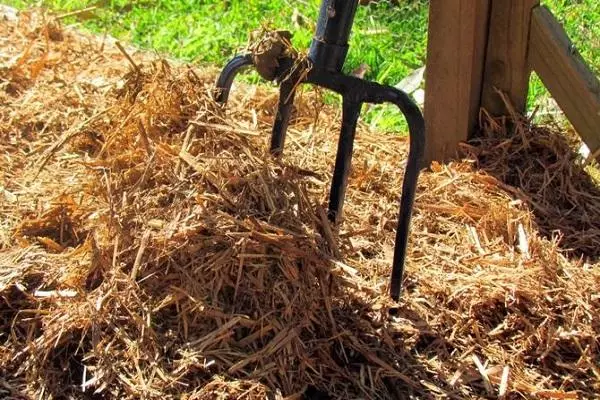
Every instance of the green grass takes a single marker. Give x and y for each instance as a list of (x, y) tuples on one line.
[(390, 39)]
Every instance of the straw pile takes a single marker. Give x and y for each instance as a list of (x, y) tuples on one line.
[(151, 248)]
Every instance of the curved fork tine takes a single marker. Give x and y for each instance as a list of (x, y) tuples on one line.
[(370, 92), (416, 128), (228, 74)]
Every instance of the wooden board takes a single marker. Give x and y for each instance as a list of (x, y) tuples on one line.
[(455, 57), (566, 75), (506, 66)]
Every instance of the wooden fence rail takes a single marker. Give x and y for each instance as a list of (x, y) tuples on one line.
[(477, 47)]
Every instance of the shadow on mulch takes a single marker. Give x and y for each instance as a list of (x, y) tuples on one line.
[(539, 166)]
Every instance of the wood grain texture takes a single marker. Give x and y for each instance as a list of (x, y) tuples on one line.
[(506, 65), (563, 71), (455, 61)]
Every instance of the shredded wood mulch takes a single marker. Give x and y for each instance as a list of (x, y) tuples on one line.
[(151, 248)]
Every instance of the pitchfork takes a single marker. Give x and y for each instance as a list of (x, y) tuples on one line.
[(323, 68)]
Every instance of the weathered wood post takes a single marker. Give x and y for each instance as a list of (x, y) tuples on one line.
[(453, 78), (506, 61), (475, 47), (479, 47)]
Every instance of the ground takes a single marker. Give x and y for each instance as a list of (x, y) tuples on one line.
[(389, 37), (151, 248)]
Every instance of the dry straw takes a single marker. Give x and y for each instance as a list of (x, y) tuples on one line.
[(151, 248)]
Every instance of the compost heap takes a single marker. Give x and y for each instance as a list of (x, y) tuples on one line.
[(151, 247)]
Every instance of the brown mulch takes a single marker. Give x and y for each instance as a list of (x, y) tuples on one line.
[(151, 248)]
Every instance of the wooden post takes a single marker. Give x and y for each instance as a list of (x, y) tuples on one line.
[(506, 65), (479, 47), (568, 78), (455, 61)]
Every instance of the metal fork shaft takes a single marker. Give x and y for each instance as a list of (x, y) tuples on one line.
[(329, 46)]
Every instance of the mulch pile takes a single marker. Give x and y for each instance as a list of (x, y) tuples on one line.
[(151, 248)]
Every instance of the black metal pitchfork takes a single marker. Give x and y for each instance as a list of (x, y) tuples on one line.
[(326, 58)]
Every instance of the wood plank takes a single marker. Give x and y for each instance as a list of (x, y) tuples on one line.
[(506, 66), (563, 71), (455, 60)]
